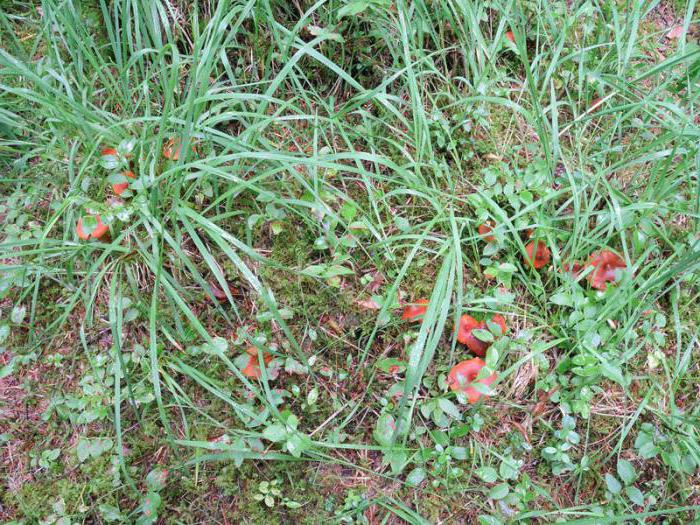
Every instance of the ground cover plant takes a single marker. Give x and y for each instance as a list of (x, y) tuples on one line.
[(349, 261)]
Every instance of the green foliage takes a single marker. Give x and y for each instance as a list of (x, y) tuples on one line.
[(302, 171)]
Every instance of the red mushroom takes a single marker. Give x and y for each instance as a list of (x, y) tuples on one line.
[(465, 335), (119, 187), (414, 312), (467, 324), (485, 229), (108, 151), (575, 269), (537, 254), (596, 104), (99, 230), (252, 368), (501, 322), (463, 376), (172, 149), (605, 265), (510, 36)]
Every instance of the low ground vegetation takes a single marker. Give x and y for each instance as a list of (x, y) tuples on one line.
[(363, 261)]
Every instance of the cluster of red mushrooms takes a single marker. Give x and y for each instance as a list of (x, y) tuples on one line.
[(171, 151), (604, 263), (465, 374)]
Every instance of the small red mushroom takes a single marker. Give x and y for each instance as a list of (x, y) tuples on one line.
[(467, 324), (605, 265), (537, 254), (100, 229), (119, 188), (108, 151), (463, 375), (414, 312), (172, 149), (485, 229), (252, 368), (596, 104), (510, 36), (465, 335), (498, 319)]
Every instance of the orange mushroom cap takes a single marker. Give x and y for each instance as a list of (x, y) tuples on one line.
[(462, 376), (605, 263), (485, 229), (510, 36), (537, 254), (252, 368), (108, 151), (98, 232), (121, 186), (415, 312)]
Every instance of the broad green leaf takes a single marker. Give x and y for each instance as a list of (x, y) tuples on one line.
[(483, 335), (500, 491), (487, 474), (449, 408), (626, 471), (383, 432), (157, 478), (635, 495), (416, 476), (275, 432), (562, 299), (613, 484), (18, 313)]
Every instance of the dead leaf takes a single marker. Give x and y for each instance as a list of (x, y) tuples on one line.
[(541, 405), (216, 291), (368, 304), (377, 281)]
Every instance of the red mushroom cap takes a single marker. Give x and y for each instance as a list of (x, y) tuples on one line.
[(108, 151), (98, 232), (485, 229), (172, 148), (467, 324), (415, 312), (465, 336), (537, 254), (575, 268), (596, 104), (500, 321), (510, 36), (121, 186), (462, 376), (605, 263)]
